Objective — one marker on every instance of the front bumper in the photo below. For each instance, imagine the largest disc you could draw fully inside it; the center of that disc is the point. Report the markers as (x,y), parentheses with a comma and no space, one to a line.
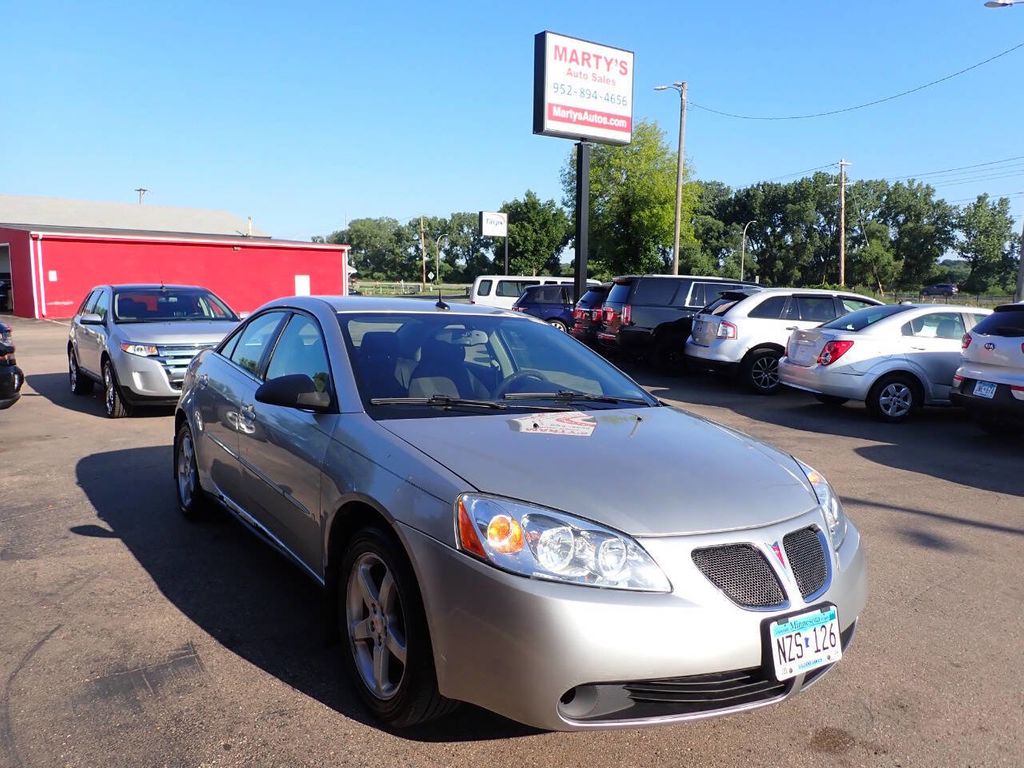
(144,380)
(540,652)
(820,380)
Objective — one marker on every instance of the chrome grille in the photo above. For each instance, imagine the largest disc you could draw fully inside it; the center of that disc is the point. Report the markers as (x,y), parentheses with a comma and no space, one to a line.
(806,553)
(742,573)
(175,359)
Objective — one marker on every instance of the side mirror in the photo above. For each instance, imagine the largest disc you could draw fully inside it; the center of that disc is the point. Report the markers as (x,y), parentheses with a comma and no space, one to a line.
(295,390)
(91,319)
(243,315)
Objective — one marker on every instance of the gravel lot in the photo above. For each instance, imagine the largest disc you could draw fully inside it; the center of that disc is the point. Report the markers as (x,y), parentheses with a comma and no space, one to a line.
(133,638)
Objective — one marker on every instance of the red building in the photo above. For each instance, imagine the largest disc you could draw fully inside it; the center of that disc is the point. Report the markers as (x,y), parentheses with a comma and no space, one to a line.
(53,251)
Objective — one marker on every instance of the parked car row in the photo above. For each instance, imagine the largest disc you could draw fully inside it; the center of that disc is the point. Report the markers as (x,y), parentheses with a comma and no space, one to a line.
(836,345)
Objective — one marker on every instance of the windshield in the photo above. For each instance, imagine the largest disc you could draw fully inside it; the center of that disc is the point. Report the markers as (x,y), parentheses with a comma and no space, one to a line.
(161,305)
(487,358)
(862,318)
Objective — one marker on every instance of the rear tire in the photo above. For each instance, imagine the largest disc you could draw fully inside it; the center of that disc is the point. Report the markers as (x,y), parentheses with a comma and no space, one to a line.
(893,398)
(669,356)
(386,646)
(760,372)
(558,325)
(831,400)
(80,383)
(113,401)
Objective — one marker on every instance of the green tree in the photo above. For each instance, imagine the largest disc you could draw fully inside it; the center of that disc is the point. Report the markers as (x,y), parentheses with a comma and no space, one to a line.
(537,233)
(632,204)
(922,228)
(985,233)
(381,249)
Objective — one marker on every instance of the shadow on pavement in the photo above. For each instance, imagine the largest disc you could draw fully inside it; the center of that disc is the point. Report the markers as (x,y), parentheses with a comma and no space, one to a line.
(238,590)
(55,388)
(939,442)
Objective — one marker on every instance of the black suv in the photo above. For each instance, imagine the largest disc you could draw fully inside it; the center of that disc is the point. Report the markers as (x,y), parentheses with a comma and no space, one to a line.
(650,315)
(11,377)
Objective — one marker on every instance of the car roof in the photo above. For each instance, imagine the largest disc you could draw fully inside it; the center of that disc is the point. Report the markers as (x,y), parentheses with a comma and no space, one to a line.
(354,304)
(152,286)
(814,292)
(710,278)
(944,307)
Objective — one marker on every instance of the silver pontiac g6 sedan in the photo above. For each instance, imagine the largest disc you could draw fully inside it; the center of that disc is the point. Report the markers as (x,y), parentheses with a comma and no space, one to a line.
(503,518)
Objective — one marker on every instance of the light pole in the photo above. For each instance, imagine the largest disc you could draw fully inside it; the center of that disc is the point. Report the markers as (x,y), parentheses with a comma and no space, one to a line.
(437,257)
(743,245)
(1018,295)
(681,87)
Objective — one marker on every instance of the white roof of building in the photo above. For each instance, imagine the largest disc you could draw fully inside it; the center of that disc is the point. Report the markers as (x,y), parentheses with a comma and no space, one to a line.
(28,211)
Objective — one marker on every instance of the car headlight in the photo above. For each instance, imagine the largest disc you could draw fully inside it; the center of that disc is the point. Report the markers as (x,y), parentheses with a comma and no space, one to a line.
(831,506)
(142,350)
(541,543)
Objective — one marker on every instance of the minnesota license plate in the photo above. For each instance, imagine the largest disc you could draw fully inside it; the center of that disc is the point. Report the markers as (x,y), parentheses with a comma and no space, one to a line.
(985,389)
(805,642)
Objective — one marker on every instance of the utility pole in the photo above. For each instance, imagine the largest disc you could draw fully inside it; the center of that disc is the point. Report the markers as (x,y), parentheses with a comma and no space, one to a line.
(1019,294)
(681,87)
(423,256)
(141,191)
(842,223)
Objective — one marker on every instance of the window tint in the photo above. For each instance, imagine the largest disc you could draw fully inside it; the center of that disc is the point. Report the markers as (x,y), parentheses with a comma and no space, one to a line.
(862,318)
(253,341)
(143,305)
(771,308)
(484,289)
(619,293)
(939,325)
(656,291)
(817,309)
(592,298)
(301,350)
(852,305)
(1005,323)
(702,294)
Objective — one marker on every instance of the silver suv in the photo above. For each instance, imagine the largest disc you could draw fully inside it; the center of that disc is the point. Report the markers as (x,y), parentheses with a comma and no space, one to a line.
(137,340)
(745,331)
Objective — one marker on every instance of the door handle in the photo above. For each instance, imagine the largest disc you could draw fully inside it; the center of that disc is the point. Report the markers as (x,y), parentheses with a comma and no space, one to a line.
(791,327)
(919,349)
(248,411)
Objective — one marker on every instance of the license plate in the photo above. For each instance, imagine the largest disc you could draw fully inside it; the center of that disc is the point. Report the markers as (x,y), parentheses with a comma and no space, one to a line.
(804,354)
(985,389)
(805,642)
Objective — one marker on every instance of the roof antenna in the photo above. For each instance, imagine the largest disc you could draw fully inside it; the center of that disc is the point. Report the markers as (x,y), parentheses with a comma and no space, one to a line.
(440,300)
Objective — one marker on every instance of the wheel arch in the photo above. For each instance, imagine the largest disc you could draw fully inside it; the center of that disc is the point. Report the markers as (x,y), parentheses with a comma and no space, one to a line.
(768,346)
(915,381)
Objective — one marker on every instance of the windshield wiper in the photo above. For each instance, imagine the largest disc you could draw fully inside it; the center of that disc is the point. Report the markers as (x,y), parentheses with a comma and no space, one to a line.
(439,400)
(571,396)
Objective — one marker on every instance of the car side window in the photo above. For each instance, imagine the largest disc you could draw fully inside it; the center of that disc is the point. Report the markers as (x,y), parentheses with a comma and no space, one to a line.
(817,309)
(771,308)
(484,289)
(938,325)
(102,305)
(88,303)
(301,350)
(852,305)
(253,341)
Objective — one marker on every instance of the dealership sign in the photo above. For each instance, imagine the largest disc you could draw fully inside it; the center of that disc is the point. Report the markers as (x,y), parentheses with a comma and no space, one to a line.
(582,90)
(493,224)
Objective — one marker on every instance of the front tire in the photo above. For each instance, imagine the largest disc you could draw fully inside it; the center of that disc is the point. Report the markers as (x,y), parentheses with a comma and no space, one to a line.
(760,372)
(387,651)
(893,398)
(113,401)
(191,498)
(80,383)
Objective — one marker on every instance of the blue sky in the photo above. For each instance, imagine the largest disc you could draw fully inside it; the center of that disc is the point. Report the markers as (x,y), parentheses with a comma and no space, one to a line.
(307,114)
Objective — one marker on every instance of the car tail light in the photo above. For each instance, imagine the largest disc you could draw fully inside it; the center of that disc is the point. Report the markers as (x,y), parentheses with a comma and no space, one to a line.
(1016,390)
(609,314)
(726,330)
(627,314)
(957,379)
(832,351)
(965,342)
(595,315)
(578,313)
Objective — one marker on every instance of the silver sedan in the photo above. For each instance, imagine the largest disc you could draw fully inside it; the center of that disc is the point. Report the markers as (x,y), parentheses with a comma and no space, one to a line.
(503,518)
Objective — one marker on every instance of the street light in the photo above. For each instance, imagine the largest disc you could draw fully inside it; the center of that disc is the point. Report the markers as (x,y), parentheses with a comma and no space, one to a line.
(681,87)
(743,245)
(437,256)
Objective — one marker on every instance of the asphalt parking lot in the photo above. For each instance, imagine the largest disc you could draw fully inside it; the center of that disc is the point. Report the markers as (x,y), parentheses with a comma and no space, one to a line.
(132,637)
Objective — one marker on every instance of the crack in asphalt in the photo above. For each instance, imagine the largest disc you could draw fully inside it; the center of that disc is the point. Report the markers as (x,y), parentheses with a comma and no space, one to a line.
(6,734)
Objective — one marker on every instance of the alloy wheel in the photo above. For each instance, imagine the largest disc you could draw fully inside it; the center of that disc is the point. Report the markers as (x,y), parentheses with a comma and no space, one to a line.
(186,473)
(109,393)
(376,626)
(764,373)
(73,372)
(895,400)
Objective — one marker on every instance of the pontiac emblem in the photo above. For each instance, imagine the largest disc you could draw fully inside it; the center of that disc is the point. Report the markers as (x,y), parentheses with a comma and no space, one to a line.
(778,553)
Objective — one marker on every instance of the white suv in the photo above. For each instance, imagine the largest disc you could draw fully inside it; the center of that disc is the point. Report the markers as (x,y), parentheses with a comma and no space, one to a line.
(990,380)
(745,332)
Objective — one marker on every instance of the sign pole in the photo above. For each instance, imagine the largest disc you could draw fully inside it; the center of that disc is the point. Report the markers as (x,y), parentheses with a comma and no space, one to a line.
(506,254)
(582,218)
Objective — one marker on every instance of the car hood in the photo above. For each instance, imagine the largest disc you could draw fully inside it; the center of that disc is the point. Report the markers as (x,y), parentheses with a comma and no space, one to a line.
(643,471)
(176,332)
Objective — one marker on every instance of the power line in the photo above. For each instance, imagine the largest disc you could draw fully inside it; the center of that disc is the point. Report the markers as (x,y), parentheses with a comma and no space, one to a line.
(859,106)
(950,170)
(800,173)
